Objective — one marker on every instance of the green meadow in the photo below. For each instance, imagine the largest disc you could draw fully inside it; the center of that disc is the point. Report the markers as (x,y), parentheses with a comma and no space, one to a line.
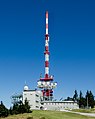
(48,115)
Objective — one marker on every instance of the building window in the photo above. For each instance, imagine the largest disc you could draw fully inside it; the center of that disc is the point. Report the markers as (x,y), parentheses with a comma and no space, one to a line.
(37,95)
(37,106)
(42,103)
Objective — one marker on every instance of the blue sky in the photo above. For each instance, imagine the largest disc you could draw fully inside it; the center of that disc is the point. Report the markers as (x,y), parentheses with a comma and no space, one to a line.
(72,45)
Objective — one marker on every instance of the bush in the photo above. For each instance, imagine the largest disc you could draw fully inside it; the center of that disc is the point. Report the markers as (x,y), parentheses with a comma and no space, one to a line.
(20,108)
(29,117)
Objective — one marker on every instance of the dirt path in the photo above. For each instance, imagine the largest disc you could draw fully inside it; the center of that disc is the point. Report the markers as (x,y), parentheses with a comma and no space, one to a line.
(85,114)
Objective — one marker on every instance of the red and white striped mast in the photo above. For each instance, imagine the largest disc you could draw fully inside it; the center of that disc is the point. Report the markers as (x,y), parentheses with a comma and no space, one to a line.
(46,50)
(47,83)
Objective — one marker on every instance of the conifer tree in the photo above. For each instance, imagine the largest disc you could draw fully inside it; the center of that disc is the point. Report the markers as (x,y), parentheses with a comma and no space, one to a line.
(81,100)
(3,110)
(75,97)
(89,99)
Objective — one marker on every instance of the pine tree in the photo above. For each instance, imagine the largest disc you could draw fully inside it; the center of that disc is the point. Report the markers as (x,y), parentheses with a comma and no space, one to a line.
(81,100)
(3,110)
(27,107)
(89,99)
(15,109)
(19,108)
(75,97)
(68,99)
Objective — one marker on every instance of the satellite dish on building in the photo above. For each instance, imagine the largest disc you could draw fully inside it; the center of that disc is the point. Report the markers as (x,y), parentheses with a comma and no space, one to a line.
(26,88)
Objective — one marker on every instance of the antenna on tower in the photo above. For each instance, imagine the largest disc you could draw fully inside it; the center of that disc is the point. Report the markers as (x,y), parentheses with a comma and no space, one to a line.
(46,84)
(25,82)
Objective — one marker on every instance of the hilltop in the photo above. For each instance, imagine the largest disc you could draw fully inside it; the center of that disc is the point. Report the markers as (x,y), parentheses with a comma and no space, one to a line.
(48,115)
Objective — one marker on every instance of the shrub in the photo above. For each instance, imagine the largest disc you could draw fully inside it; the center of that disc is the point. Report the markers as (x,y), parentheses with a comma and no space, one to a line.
(29,117)
(20,108)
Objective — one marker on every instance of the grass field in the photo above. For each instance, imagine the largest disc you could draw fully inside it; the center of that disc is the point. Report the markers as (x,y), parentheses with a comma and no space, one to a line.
(85,110)
(48,115)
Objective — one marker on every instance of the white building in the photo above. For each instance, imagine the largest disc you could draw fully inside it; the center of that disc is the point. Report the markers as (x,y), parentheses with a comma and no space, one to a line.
(34,98)
(59,105)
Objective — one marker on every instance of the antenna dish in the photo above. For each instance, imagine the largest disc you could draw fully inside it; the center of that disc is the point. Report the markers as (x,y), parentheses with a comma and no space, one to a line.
(26,88)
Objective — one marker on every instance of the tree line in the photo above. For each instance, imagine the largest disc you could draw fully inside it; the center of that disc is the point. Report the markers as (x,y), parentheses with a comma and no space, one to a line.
(17,108)
(86,101)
